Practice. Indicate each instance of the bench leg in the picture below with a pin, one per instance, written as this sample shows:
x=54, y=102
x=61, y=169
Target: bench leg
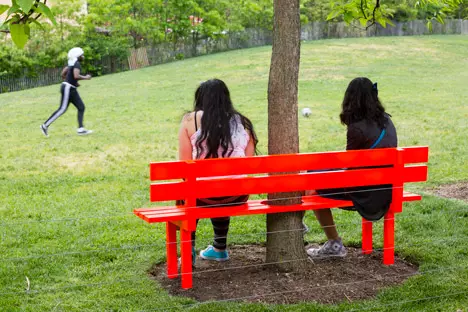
x=366, y=237
x=389, y=239
x=186, y=255
x=171, y=250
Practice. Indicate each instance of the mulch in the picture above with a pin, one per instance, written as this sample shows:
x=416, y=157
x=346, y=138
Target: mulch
x=457, y=190
x=245, y=278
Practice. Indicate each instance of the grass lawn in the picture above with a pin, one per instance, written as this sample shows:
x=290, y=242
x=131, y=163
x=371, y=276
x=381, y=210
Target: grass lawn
x=66, y=202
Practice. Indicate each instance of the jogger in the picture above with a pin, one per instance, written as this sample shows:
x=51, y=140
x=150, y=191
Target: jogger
x=71, y=74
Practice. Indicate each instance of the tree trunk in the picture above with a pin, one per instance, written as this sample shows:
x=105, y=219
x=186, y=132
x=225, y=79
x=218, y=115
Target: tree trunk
x=285, y=242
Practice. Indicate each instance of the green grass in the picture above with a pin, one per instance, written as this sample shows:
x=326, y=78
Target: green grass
x=66, y=201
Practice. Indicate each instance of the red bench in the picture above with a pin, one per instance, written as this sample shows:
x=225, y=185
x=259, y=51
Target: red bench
x=399, y=167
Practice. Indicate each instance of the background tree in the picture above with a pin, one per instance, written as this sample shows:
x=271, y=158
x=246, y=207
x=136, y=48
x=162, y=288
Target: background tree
x=137, y=20
x=370, y=13
x=252, y=13
x=48, y=43
x=13, y=61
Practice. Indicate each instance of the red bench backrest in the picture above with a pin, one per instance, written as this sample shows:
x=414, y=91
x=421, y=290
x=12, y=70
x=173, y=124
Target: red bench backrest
x=188, y=186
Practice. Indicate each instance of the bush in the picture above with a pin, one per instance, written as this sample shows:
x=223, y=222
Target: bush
x=14, y=62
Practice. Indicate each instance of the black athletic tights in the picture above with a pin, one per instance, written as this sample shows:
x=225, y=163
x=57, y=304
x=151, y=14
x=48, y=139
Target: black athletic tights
x=69, y=94
x=220, y=225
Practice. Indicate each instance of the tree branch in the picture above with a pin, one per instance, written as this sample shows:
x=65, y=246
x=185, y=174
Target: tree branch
x=377, y=5
x=37, y=17
x=362, y=10
x=28, y=15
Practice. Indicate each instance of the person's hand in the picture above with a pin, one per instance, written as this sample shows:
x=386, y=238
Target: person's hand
x=88, y=77
x=311, y=193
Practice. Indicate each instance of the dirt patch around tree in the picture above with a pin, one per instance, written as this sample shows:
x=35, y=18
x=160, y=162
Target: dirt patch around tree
x=457, y=190
x=246, y=278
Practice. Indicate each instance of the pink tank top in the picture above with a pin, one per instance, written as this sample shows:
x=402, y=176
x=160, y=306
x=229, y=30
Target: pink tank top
x=239, y=136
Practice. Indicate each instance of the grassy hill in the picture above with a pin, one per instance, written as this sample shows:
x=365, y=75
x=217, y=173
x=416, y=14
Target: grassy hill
x=66, y=201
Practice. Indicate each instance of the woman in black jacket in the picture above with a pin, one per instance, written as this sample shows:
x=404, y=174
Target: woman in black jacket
x=368, y=127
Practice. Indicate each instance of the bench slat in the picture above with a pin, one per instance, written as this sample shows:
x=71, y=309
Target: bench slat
x=416, y=154
x=283, y=183
x=271, y=163
x=173, y=213
x=283, y=163
x=252, y=207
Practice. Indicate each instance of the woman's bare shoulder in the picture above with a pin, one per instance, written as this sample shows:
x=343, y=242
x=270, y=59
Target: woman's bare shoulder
x=188, y=117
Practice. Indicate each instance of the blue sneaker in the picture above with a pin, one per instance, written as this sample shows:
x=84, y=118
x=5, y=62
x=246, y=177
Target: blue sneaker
x=194, y=258
x=210, y=254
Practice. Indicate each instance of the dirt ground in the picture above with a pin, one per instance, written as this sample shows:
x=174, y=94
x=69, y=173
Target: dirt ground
x=245, y=278
x=457, y=190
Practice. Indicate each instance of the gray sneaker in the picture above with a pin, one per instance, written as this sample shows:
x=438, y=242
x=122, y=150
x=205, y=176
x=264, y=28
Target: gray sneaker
x=332, y=248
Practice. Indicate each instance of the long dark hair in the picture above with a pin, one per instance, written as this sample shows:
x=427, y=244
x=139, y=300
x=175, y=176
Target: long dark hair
x=213, y=98
x=361, y=102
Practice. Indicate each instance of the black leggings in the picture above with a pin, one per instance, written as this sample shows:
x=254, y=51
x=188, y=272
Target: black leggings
x=220, y=225
x=69, y=94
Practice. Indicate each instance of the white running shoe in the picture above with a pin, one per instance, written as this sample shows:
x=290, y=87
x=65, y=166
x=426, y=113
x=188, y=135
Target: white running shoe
x=44, y=130
x=83, y=131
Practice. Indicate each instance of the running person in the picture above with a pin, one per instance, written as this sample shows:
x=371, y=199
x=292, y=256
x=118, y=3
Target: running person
x=71, y=74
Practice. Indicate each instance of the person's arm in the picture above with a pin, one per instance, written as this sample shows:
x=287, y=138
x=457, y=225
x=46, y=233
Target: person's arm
x=355, y=139
x=64, y=72
x=185, y=146
x=78, y=76
x=250, y=148
x=77, y=73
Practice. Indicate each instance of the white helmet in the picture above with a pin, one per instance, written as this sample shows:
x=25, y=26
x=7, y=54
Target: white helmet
x=73, y=55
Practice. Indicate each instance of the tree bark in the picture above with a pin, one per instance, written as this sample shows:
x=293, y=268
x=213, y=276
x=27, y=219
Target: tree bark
x=285, y=242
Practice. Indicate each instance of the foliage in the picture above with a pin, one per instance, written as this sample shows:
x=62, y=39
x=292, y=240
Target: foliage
x=13, y=61
x=139, y=20
x=315, y=10
x=177, y=24
x=403, y=10
x=251, y=14
x=98, y=46
x=370, y=13
x=20, y=15
x=395, y=10
x=49, y=44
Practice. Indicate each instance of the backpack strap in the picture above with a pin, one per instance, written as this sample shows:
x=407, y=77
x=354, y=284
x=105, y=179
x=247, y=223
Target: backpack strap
x=382, y=134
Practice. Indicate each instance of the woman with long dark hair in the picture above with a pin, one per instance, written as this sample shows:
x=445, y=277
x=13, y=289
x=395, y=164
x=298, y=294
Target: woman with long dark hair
x=369, y=126
x=216, y=130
